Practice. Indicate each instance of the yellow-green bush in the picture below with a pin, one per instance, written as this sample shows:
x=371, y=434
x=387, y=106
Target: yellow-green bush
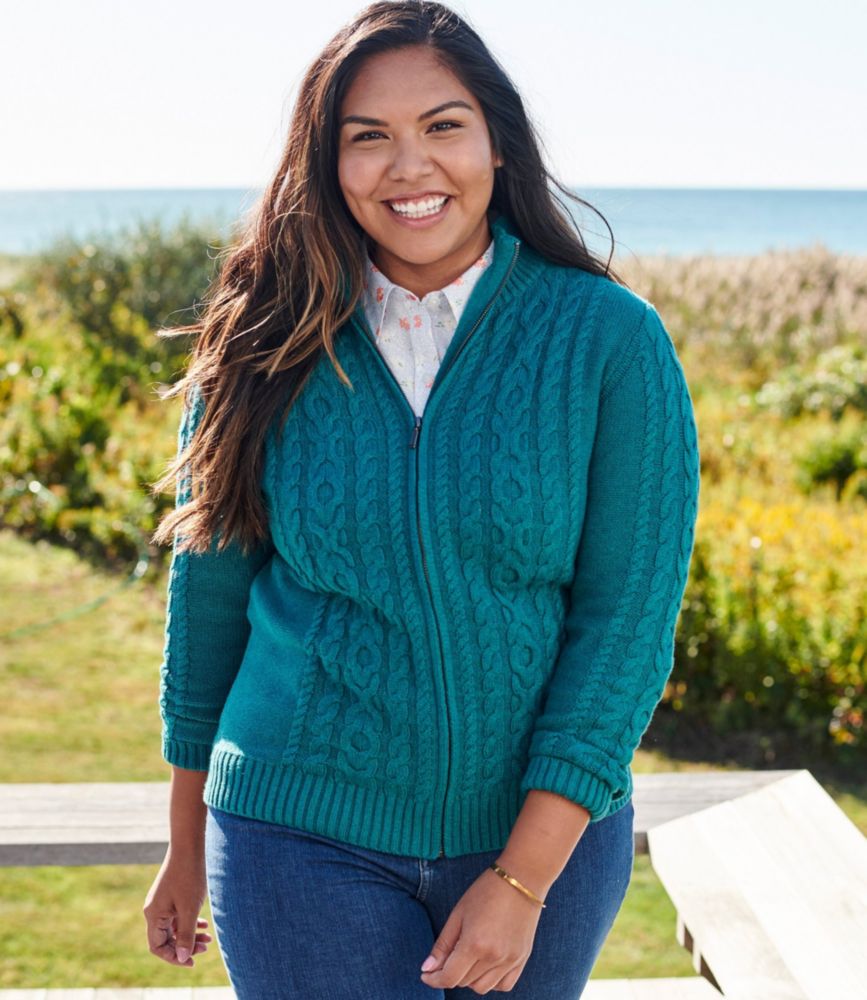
x=773, y=631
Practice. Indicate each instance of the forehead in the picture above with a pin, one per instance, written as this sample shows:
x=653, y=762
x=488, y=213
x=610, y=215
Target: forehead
x=406, y=81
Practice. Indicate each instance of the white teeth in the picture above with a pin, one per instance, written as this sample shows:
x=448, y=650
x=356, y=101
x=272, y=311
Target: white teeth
x=419, y=209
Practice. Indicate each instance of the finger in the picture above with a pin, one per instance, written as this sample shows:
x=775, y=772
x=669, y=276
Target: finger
x=491, y=979
x=167, y=953
x=475, y=971
x=185, y=936
x=444, y=944
x=511, y=977
x=161, y=937
x=160, y=931
x=457, y=970
x=202, y=943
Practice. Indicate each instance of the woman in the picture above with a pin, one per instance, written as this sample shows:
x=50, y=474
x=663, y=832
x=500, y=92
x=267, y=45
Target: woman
x=437, y=482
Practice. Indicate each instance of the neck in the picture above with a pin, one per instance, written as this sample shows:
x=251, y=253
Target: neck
x=421, y=279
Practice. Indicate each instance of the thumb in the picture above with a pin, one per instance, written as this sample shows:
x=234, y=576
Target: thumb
x=185, y=935
x=444, y=944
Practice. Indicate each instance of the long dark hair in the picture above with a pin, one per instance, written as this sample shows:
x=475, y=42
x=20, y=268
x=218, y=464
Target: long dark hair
x=280, y=294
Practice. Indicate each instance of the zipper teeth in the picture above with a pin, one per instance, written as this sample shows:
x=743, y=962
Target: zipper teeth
x=439, y=643
x=416, y=434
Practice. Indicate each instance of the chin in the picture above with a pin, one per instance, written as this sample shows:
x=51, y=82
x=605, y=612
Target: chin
x=420, y=255
x=425, y=247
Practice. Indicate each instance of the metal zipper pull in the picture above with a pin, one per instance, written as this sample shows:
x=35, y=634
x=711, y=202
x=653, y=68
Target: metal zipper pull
x=413, y=441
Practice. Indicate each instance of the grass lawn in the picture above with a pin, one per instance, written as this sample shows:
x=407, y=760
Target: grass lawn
x=80, y=704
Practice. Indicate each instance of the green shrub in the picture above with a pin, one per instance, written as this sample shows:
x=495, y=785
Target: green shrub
x=837, y=380
x=82, y=429
x=834, y=458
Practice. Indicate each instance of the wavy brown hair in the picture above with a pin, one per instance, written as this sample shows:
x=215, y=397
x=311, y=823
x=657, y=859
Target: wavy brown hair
x=294, y=273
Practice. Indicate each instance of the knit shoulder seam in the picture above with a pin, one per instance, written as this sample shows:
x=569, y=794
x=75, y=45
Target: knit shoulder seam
x=627, y=358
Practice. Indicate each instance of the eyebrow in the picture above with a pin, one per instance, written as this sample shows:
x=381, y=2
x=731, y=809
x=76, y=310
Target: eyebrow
x=361, y=120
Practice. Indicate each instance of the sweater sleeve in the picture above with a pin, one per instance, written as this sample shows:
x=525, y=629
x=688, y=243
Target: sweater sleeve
x=206, y=631
x=631, y=571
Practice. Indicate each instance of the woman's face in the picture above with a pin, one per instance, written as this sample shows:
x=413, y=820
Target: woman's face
x=416, y=167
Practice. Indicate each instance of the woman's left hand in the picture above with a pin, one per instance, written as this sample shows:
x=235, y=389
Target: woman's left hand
x=487, y=939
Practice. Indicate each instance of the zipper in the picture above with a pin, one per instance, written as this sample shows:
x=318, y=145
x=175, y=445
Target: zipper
x=413, y=446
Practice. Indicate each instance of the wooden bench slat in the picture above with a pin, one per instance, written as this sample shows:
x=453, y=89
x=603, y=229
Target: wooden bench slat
x=662, y=797
x=127, y=822
x=679, y=988
x=128, y=993
x=783, y=915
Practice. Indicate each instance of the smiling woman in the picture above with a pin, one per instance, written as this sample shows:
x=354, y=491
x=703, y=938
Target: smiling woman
x=419, y=614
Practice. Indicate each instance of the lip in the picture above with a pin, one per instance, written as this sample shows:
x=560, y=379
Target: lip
x=418, y=195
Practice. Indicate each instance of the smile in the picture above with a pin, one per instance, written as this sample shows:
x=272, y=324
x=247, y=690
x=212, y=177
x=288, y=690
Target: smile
x=420, y=209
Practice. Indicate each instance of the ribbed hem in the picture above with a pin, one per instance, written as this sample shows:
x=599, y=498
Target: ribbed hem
x=191, y=756
x=366, y=816
x=553, y=774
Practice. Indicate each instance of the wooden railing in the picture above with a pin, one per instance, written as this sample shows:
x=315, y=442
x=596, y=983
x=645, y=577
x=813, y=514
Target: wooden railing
x=767, y=874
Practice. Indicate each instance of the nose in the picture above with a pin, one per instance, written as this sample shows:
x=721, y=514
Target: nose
x=410, y=160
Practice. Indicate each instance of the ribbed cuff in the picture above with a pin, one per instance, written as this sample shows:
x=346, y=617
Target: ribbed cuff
x=553, y=774
x=190, y=756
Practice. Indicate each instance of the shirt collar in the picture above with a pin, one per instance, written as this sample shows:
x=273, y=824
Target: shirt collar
x=378, y=288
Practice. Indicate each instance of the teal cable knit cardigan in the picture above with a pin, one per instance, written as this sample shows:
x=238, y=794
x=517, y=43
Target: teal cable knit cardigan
x=454, y=609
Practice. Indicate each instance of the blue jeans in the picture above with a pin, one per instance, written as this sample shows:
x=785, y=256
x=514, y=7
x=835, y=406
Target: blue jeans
x=299, y=916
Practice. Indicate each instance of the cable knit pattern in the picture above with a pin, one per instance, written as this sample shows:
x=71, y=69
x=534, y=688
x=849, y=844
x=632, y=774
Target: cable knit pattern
x=455, y=607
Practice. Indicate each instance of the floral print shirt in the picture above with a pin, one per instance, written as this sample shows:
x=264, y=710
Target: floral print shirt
x=412, y=334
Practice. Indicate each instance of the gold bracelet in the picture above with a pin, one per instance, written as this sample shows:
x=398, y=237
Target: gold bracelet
x=516, y=883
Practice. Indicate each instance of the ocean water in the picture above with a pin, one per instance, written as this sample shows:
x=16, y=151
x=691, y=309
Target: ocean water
x=674, y=221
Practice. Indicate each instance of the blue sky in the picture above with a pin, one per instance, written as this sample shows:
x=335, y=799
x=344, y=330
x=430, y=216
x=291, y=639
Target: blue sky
x=668, y=93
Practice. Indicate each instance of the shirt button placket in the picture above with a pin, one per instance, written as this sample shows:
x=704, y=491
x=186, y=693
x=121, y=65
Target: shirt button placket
x=426, y=346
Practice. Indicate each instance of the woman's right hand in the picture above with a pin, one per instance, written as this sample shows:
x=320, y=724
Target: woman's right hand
x=175, y=932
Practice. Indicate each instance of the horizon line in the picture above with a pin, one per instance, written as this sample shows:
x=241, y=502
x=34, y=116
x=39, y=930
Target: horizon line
x=574, y=187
